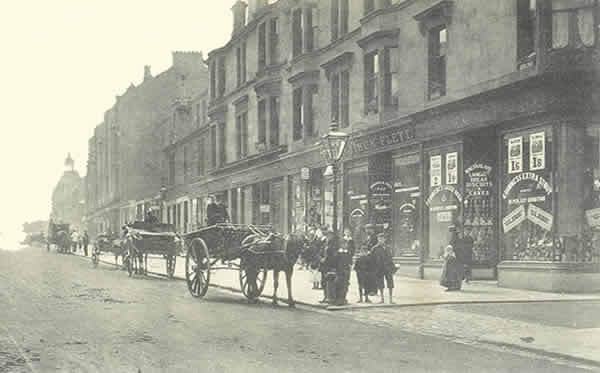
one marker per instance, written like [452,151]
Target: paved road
[59,314]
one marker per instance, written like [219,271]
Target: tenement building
[126,167]
[476,115]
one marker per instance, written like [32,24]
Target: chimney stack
[255,6]
[147,73]
[239,15]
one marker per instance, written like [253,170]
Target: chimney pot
[147,73]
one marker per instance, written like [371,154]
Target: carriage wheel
[197,268]
[170,261]
[252,281]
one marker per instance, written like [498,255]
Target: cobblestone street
[60,314]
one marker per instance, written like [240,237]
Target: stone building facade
[480,116]
[126,166]
[68,198]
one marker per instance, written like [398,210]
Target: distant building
[126,167]
[68,197]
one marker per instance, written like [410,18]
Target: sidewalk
[453,317]
[407,292]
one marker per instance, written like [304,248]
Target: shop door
[444,200]
[357,190]
[380,191]
[406,225]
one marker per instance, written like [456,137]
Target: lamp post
[163,197]
[333,145]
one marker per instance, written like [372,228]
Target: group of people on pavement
[457,258]
[374,267]
[330,260]
[80,241]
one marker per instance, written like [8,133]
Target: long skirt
[452,274]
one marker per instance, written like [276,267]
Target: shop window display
[406,205]
[527,197]
[589,249]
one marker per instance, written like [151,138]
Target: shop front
[549,207]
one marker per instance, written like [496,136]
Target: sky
[62,63]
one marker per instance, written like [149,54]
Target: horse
[290,248]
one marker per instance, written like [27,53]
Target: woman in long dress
[452,272]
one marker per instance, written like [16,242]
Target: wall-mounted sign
[444,217]
[539,217]
[435,167]
[452,168]
[265,208]
[513,219]
[382,139]
[537,151]
[515,155]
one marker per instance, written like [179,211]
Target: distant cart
[143,239]
[59,236]
[113,244]
[242,247]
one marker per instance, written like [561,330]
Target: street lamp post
[163,197]
[333,145]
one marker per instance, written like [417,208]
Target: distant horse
[63,241]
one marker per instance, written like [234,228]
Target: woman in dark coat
[452,272]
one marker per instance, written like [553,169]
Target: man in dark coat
[216,212]
[467,254]
[85,242]
[365,266]
[345,253]
[384,265]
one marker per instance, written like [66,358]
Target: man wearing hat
[385,267]
[215,211]
[365,265]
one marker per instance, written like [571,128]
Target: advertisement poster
[516,217]
[540,217]
[537,151]
[515,155]
[452,168]
[436,170]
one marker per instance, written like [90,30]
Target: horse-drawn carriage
[59,236]
[250,249]
[143,239]
[107,243]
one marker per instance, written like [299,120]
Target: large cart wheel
[252,281]
[170,261]
[197,267]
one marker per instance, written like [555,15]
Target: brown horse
[291,247]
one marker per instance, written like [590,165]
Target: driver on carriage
[216,212]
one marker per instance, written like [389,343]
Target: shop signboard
[540,217]
[515,155]
[436,170]
[382,139]
[452,168]
[537,151]
[516,217]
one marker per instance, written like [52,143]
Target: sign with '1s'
[515,155]
[537,151]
